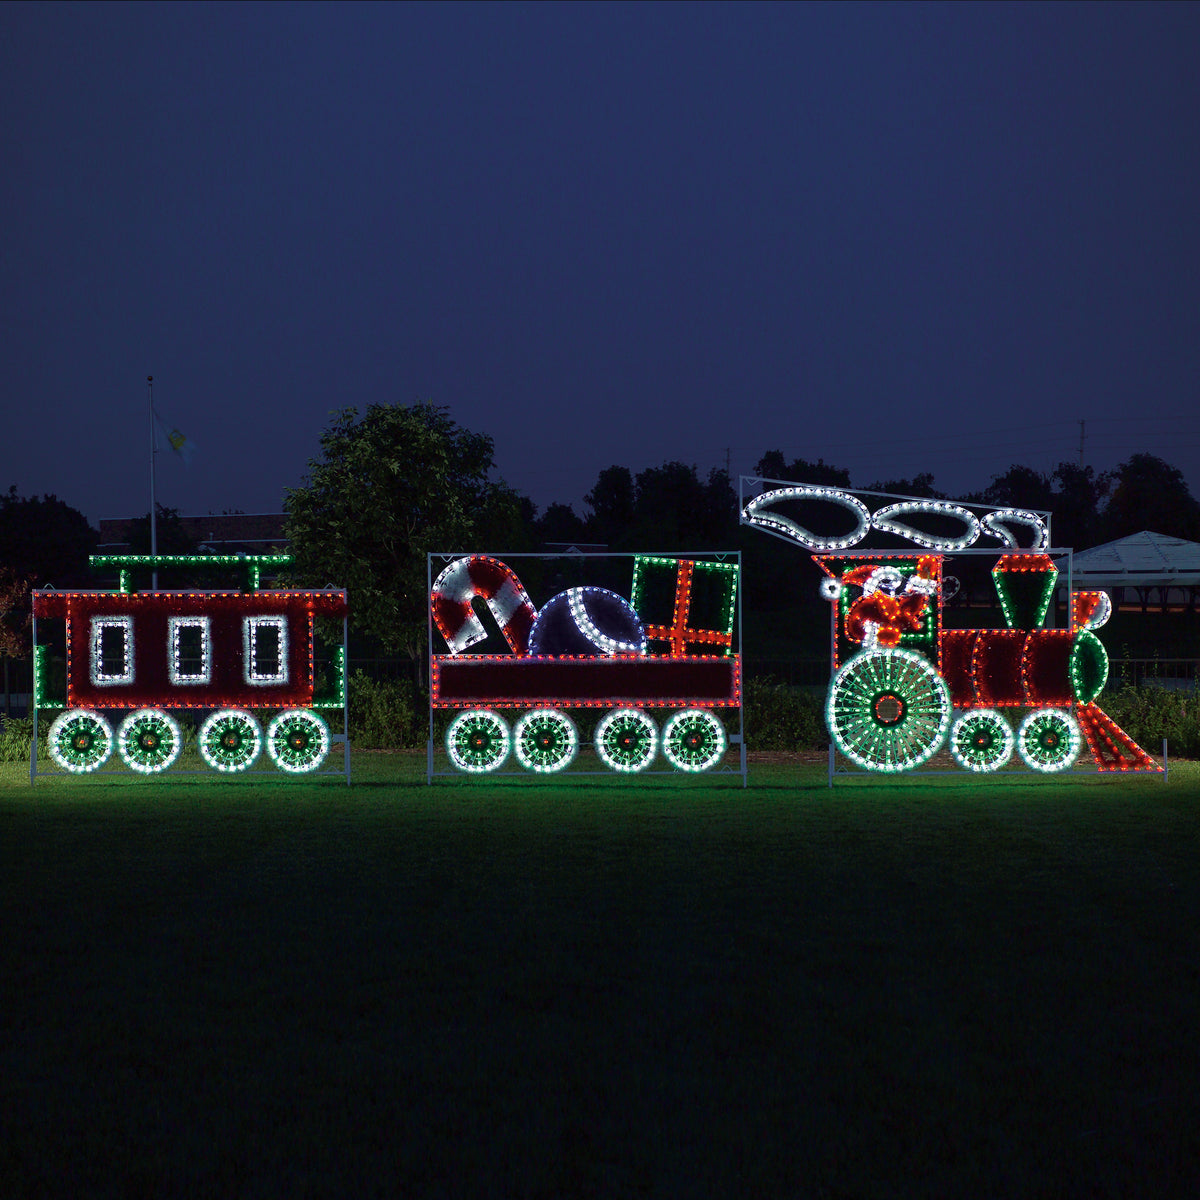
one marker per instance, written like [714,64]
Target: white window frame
[250,628]
[204,675]
[99,677]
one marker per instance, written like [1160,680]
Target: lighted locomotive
[134,657]
[904,687]
[670,647]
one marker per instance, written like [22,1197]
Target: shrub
[779,717]
[1150,713]
[386,714]
[16,733]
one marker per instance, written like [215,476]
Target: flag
[174,439]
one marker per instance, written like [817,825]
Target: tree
[389,487]
[799,470]
[1019,487]
[1078,495]
[920,486]
[45,539]
[611,501]
[1149,493]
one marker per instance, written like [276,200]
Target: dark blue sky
[902,238]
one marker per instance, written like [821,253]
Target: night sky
[900,238]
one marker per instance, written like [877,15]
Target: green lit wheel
[1049,740]
[545,740]
[230,740]
[694,740]
[149,740]
[477,740]
[981,740]
[888,710]
[626,740]
[80,741]
[298,741]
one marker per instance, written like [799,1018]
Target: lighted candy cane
[491,580]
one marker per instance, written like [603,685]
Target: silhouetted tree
[389,487]
[45,540]
[611,501]
[1019,487]
[560,523]
[1149,493]
[800,470]
[919,485]
[1079,493]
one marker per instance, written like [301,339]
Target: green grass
[948,987]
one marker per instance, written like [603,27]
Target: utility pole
[153,514]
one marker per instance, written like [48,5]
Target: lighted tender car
[134,657]
[588,648]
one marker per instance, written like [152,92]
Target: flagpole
[153,514]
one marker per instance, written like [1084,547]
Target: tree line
[397,481]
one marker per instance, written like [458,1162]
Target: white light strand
[752,514]
[996,523]
[593,633]
[250,628]
[100,677]
[180,677]
[884,520]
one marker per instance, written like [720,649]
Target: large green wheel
[1049,740]
[888,709]
[230,740]
[626,740]
[694,740]
[545,740]
[477,740]
[298,740]
[149,740]
[80,741]
[981,740]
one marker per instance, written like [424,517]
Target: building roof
[1140,560]
[220,533]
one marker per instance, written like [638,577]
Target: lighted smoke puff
[587,620]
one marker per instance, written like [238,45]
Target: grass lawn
[499,988]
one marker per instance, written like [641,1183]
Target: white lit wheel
[694,740]
[298,741]
[1049,740]
[80,741]
[888,710]
[626,740]
[477,740]
[149,740]
[981,740]
[545,740]
[230,740]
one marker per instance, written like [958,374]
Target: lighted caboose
[132,658]
[670,648]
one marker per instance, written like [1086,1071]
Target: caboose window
[112,650]
[266,650]
[189,655]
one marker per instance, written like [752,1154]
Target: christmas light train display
[133,658]
[904,687]
[669,647]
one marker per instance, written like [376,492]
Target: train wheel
[298,741]
[626,740]
[981,740]
[694,740]
[477,740]
[545,740]
[888,710]
[1049,740]
[230,740]
[80,741]
[149,740]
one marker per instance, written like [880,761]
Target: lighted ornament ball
[587,620]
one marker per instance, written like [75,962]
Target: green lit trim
[41,674]
[1088,666]
[337,697]
[126,563]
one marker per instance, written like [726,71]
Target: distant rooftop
[220,533]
